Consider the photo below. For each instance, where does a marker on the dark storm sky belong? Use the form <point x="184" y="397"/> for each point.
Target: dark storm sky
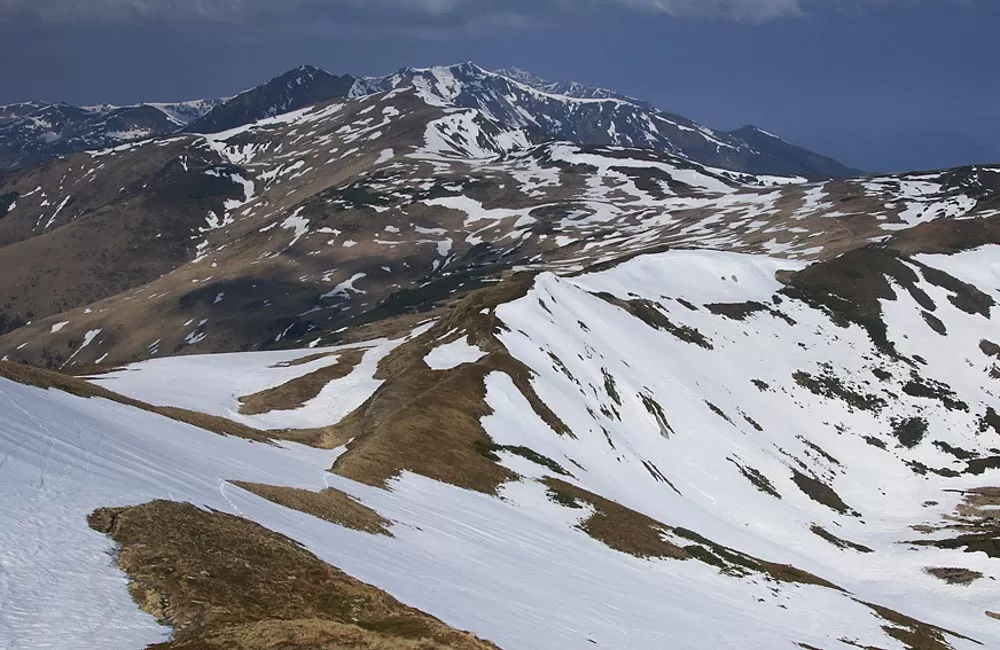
<point x="879" y="84"/>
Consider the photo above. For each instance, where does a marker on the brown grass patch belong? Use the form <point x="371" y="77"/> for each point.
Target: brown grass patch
<point x="649" y="313"/>
<point x="223" y="582"/>
<point x="954" y="575"/>
<point x="976" y="523"/>
<point x="628" y="531"/>
<point x="91" y="370"/>
<point x="946" y="236"/>
<point x="757" y="478"/>
<point x="838" y="542"/>
<point x="616" y="526"/>
<point x="820" y="492"/>
<point x="49" y="379"/>
<point x="301" y="361"/>
<point x="298" y="391"/>
<point x="914" y="634"/>
<point x="736" y="311"/>
<point x="330" y="505"/>
<point x="428" y="421"/>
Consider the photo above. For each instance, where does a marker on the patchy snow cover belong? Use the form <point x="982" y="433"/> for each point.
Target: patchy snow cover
<point x="571" y="154"/>
<point x="88" y="338"/>
<point x="346" y="287"/>
<point x="213" y="383"/>
<point x="468" y="134"/>
<point x="516" y="570"/>
<point x="300" y="226"/>
<point x="451" y="355"/>
<point x="55" y="214"/>
<point x="979" y="267"/>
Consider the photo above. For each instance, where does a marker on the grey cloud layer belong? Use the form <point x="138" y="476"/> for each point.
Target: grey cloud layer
<point x="430" y="13"/>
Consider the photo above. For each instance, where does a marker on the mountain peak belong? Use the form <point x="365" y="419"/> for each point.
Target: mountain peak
<point x="516" y="73"/>
<point x="305" y="71"/>
<point x="590" y="115"/>
<point x="753" y="129"/>
<point x="299" y="87"/>
<point x="464" y="68"/>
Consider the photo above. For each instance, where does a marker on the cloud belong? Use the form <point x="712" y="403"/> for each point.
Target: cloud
<point x="746" y="10"/>
<point x="115" y="10"/>
<point x="431" y="15"/>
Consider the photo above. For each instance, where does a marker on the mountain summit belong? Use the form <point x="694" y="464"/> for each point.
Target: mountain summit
<point x="295" y="89"/>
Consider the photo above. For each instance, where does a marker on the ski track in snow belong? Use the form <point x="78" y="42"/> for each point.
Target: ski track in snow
<point x="64" y="456"/>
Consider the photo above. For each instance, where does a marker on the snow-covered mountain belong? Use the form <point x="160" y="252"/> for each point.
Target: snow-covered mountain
<point x="33" y="132"/>
<point x="183" y="113"/>
<point x="11" y="112"/>
<point x="596" y="116"/>
<point x="389" y="371"/>
<point x="546" y="110"/>
<point x="567" y="88"/>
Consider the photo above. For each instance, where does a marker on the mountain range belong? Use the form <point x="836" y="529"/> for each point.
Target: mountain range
<point x="33" y="131"/>
<point x="465" y="359"/>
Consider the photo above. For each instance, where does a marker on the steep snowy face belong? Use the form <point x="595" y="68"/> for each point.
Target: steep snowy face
<point x="184" y="113"/>
<point x="710" y="433"/>
<point x="616" y="121"/>
<point x="567" y="88"/>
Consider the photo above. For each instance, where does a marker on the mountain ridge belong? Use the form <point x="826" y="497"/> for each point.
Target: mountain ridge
<point x="604" y="118"/>
<point x="334" y="214"/>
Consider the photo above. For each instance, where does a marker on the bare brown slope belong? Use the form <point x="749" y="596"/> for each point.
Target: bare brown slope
<point x="251" y="288"/>
<point x="947" y="236"/>
<point x="330" y="505"/>
<point x="429" y="421"/>
<point x="87" y="228"/>
<point x="226" y="583"/>
<point x="300" y="390"/>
